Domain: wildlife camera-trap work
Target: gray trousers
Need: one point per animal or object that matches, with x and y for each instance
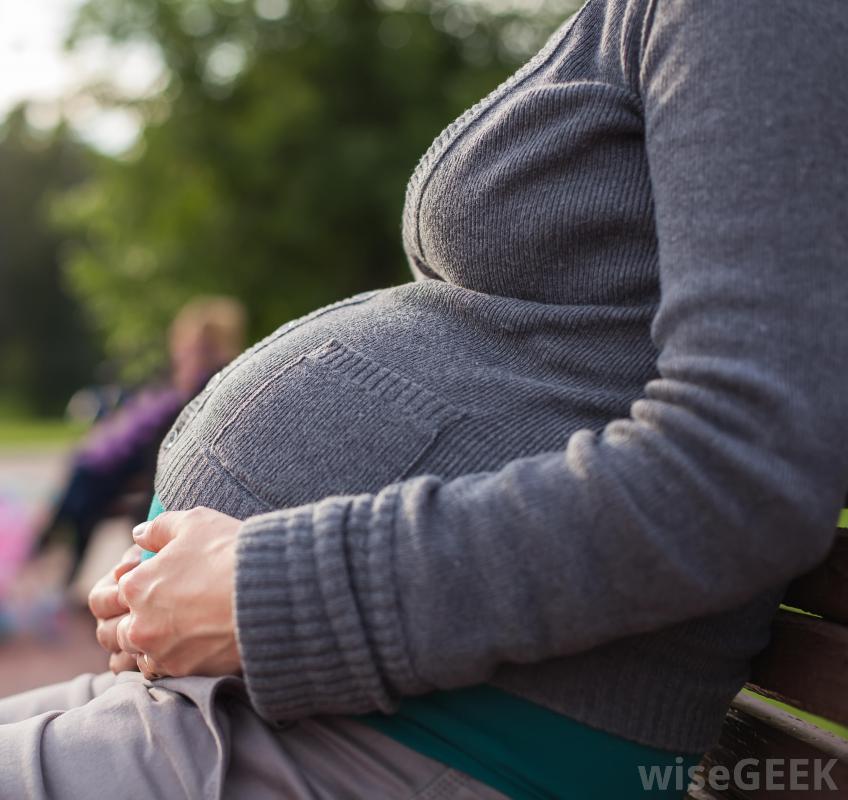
(198, 738)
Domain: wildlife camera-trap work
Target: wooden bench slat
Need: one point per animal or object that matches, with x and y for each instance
(756, 730)
(824, 591)
(806, 665)
(701, 794)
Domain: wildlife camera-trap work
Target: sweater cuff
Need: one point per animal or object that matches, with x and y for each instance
(317, 616)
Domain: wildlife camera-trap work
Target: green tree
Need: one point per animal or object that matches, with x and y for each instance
(46, 351)
(273, 161)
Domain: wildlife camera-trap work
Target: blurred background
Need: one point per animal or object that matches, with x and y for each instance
(177, 179)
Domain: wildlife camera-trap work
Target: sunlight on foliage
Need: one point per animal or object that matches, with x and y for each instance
(273, 159)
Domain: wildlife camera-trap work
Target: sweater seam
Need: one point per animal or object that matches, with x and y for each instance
(647, 28)
(262, 344)
(356, 607)
(398, 600)
(215, 464)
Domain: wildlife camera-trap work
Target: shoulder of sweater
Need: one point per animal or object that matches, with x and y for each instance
(619, 29)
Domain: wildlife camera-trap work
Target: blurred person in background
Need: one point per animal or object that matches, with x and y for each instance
(112, 471)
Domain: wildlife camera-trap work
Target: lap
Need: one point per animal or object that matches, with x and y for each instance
(123, 736)
(59, 696)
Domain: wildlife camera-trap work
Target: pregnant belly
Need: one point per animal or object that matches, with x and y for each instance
(418, 379)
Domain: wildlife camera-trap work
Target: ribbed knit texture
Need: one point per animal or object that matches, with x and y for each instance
(582, 454)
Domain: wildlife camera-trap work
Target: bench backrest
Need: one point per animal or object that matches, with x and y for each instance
(805, 666)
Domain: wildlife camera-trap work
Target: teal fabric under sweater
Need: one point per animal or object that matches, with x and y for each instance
(527, 751)
(522, 749)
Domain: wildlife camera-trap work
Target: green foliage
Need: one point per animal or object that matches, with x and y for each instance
(45, 346)
(273, 160)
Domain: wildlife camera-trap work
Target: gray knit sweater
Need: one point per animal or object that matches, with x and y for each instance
(581, 454)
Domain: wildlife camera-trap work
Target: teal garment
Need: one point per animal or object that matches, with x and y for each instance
(529, 752)
(520, 748)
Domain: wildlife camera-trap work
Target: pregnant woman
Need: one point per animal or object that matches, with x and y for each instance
(518, 527)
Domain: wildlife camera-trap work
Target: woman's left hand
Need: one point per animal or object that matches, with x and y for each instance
(180, 619)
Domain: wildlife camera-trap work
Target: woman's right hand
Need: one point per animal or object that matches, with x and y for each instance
(108, 610)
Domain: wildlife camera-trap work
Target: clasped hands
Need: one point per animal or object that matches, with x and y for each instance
(172, 614)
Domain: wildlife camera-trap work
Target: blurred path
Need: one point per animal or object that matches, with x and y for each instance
(27, 662)
(31, 477)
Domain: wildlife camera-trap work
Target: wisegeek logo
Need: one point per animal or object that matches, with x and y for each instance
(749, 774)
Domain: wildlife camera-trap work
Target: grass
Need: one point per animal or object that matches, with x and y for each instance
(32, 432)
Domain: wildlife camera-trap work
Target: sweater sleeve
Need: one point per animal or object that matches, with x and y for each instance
(724, 481)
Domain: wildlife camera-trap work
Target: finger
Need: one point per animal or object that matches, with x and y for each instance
(131, 585)
(123, 633)
(107, 634)
(96, 590)
(154, 535)
(130, 560)
(122, 662)
(148, 667)
(104, 601)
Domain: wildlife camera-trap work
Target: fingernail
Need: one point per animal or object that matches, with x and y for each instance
(138, 530)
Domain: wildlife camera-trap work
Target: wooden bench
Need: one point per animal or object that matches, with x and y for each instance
(806, 666)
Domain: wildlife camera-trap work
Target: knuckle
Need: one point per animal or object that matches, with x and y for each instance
(167, 519)
(126, 636)
(129, 560)
(128, 586)
(155, 524)
(142, 636)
